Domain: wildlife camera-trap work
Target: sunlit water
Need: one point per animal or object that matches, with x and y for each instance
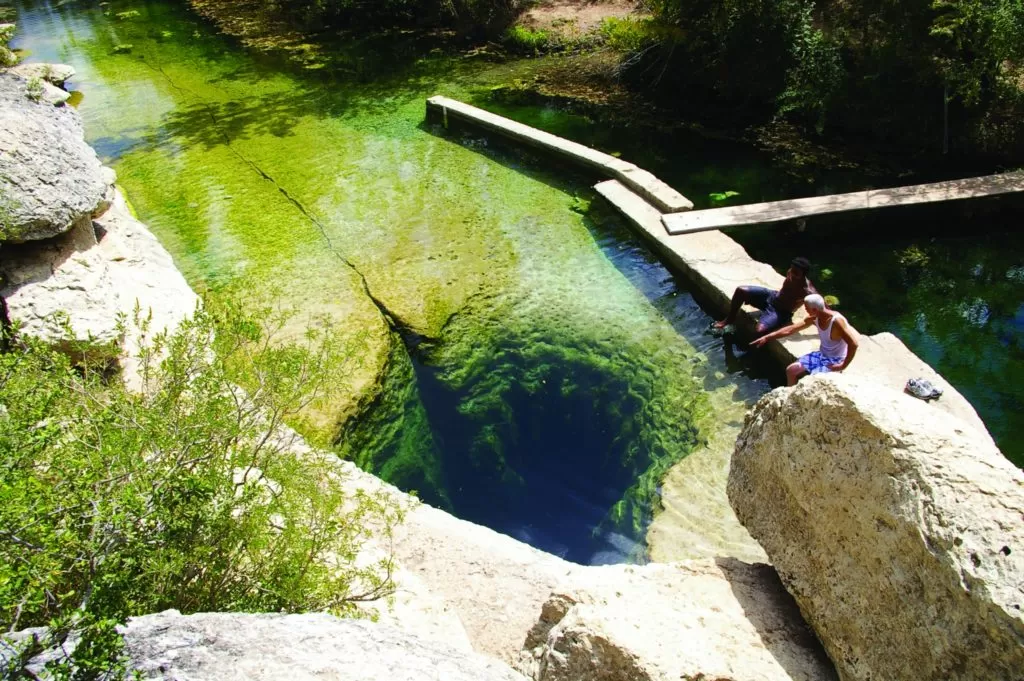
(543, 371)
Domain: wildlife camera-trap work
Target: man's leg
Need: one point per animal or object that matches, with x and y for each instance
(794, 372)
(768, 321)
(757, 296)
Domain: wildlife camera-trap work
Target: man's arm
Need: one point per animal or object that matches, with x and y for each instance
(852, 338)
(781, 333)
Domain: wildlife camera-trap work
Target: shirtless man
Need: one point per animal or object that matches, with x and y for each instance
(839, 341)
(777, 307)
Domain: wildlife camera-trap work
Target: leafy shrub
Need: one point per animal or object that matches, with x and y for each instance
(186, 495)
(34, 89)
(628, 34)
(526, 40)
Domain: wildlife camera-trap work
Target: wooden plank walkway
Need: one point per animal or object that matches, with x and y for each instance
(667, 199)
(775, 211)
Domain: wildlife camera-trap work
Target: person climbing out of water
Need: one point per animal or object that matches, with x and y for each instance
(839, 341)
(777, 307)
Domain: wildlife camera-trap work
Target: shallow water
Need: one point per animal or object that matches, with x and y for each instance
(538, 371)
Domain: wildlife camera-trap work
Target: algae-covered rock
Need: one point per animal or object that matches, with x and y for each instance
(895, 526)
(49, 177)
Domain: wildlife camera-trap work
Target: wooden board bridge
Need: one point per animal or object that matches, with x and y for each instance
(794, 209)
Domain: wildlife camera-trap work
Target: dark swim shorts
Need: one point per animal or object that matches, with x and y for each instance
(764, 299)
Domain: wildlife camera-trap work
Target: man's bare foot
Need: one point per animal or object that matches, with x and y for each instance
(721, 325)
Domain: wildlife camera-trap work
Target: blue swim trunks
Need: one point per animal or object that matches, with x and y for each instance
(817, 363)
(764, 299)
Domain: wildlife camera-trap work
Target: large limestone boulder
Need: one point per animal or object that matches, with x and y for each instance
(90, 281)
(261, 647)
(897, 528)
(716, 619)
(50, 179)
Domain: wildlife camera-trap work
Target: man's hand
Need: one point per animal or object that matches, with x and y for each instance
(758, 342)
(836, 367)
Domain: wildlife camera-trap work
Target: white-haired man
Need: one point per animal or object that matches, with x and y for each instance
(839, 341)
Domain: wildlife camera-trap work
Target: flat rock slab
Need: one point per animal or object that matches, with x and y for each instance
(715, 619)
(49, 177)
(895, 527)
(666, 198)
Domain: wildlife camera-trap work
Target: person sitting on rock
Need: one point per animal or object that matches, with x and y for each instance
(839, 341)
(777, 307)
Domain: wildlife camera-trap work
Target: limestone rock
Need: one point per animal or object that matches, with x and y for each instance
(49, 177)
(716, 619)
(95, 283)
(54, 95)
(493, 584)
(51, 73)
(63, 281)
(896, 528)
(255, 647)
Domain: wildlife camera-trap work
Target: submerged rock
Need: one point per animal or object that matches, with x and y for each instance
(897, 528)
(253, 647)
(49, 177)
(713, 619)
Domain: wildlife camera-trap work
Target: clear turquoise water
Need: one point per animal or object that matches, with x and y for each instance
(537, 370)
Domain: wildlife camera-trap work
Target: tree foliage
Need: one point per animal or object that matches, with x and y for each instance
(879, 68)
(481, 17)
(189, 494)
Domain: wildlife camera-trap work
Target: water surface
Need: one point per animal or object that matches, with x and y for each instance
(515, 356)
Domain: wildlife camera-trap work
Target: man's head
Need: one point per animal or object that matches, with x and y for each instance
(814, 304)
(798, 269)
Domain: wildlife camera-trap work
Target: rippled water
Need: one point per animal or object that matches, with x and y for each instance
(536, 370)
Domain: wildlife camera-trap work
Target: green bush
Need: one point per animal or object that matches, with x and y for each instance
(526, 40)
(186, 495)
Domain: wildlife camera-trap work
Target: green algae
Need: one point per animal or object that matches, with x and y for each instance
(329, 195)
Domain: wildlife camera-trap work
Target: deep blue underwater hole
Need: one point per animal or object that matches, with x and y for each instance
(542, 449)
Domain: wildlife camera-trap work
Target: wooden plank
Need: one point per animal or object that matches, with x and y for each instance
(775, 211)
(667, 199)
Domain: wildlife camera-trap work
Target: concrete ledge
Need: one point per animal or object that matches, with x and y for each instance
(667, 199)
(715, 265)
